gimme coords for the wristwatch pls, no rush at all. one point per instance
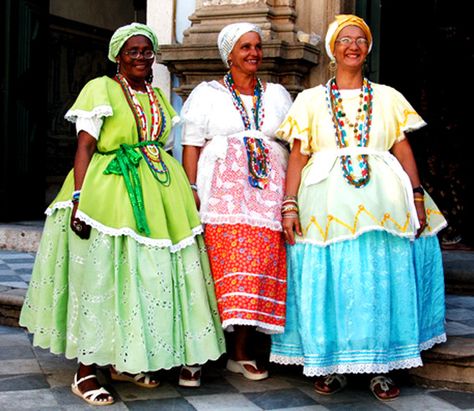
(419, 190)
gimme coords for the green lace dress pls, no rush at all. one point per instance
(138, 293)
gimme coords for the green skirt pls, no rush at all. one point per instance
(110, 300)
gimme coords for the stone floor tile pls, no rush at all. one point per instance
(171, 404)
(17, 340)
(462, 400)
(375, 405)
(346, 396)
(14, 284)
(285, 398)
(209, 385)
(242, 384)
(222, 402)
(130, 392)
(27, 400)
(16, 352)
(460, 301)
(421, 402)
(10, 367)
(304, 408)
(23, 382)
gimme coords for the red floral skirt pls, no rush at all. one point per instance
(249, 269)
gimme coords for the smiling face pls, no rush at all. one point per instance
(352, 55)
(135, 70)
(246, 56)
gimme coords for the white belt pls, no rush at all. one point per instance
(323, 161)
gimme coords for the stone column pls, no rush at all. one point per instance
(286, 60)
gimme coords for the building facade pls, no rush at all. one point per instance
(53, 47)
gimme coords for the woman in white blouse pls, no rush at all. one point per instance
(237, 171)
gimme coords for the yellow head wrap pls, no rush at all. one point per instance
(122, 34)
(341, 21)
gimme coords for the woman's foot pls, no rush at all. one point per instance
(86, 386)
(144, 380)
(248, 368)
(383, 388)
(330, 384)
(190, 376)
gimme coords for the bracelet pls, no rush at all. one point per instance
(419, 199)
(287, 197)
(289, 208)
(419, 190)
(194, 187)
(75, 196)
(290, 215)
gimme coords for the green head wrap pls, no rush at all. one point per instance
(122, 34)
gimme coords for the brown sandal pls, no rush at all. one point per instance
(383, 388)
(330, 384)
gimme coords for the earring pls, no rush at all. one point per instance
(332, 66)
(229, 62)
(149, 79)
(118, 67)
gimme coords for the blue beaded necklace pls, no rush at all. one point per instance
(257, 152)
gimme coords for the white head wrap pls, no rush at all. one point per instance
(230, 34)
(341, 21)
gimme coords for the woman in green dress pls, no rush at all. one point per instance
(121, 277)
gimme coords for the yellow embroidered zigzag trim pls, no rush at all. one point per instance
(406, 113)
(293, 123)
(352, 228)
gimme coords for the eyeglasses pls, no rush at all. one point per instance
(347, 41)
(135, 54)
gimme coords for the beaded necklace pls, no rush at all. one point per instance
(151, 153)
(360, 128)
(257, 152)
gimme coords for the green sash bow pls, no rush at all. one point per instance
(125, 164)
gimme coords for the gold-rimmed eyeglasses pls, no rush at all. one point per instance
(347, 41)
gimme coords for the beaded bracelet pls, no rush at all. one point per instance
(75, 196)
(288, 197)
(285, 209)
(290, 215)
(194, 187)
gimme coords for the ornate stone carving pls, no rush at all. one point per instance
(286, 60)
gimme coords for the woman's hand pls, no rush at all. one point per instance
(197, 200)
(79, 227)
(291, 225)
(421, 213)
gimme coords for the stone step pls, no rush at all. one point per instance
(21, 236)
(449, 365)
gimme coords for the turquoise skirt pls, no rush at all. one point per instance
(368, 305)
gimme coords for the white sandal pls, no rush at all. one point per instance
(239, 368)
(135, 379)
(384, 383)
(91, 395)
(193, 381)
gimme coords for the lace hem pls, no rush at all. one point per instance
(347, 368)
(228, 325)
(127, 231)
(409, 235)
(413, 127)
(99, 111)
(433, 341)
(210, 218)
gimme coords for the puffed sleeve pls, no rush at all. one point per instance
(92, 103)
(297, 124)
(194, 115)
(405, 117)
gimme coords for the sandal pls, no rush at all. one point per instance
(91, 395)
(385, 385)
(145, 380)
(190, 376)
(330, 384)
(239, 368)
